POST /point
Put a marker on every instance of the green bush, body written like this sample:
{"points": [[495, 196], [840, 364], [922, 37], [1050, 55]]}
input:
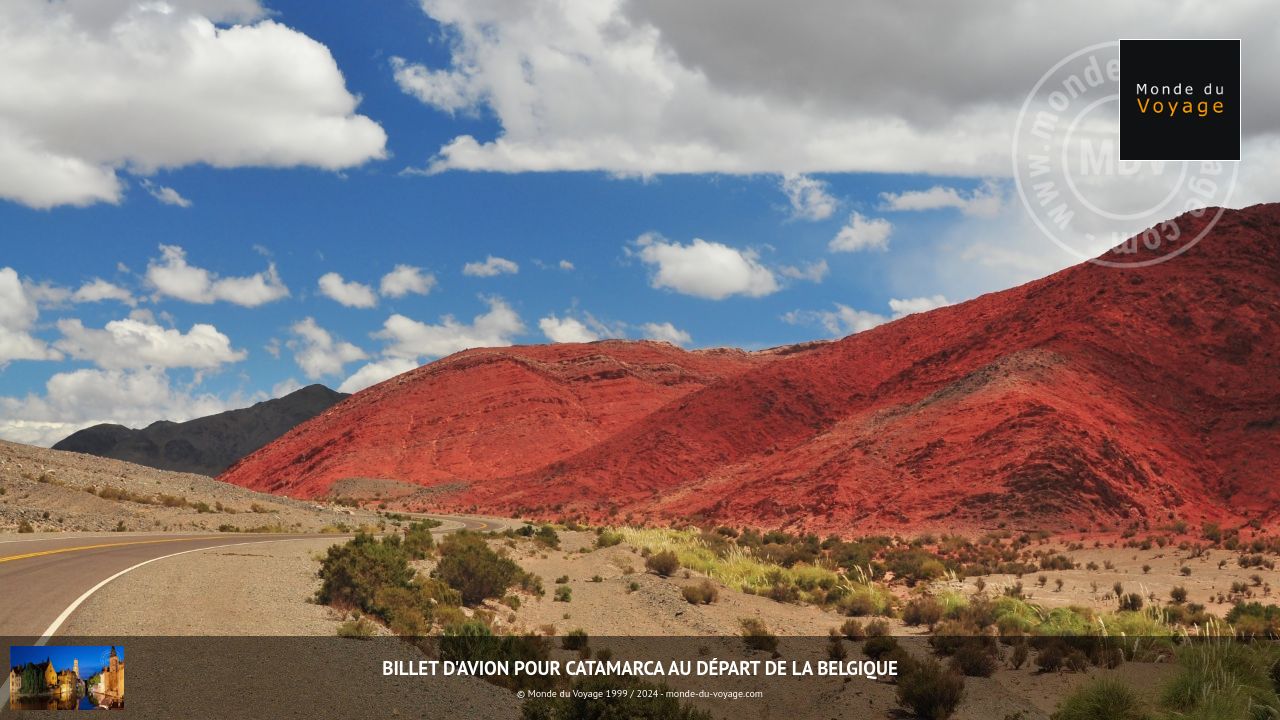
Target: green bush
{"points": [[930, 690], [877, 646], [575, 641], [975, 658], [418, 542], [704, 593], [358, 629], [353, 573], [564, 593], [853, 630], [924, 610], [608, 538], [756, 635], [546, 535], [1102, 699], [664, 563], [469, 566]]}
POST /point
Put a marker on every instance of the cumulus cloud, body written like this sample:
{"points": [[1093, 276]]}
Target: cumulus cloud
{"points": [[566, 330], [318, 353], [98, 290], [408, 341], [18, 314], [984, 201], [704, 269], [665, 332], [844, 320], [664, 86], [862, 233], [129, 343], [172, 276], [490, 267], [375, 372], [406, 279], [166, 195], [80, 398], [566, 265], [349, 294], [93, 88], [813, 272], [809, 197]]}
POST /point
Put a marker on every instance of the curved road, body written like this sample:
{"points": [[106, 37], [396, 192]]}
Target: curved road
{"points": [[44, 579]]}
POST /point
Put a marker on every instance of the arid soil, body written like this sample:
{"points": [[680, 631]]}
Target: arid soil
{"points": [[48, 490]]}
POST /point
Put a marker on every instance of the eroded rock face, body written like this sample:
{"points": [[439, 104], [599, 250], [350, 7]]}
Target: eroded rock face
{"points": [[208, 445], [1096, 396]]}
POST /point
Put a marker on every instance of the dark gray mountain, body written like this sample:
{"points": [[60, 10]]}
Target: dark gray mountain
{"points": [[206, 445]]}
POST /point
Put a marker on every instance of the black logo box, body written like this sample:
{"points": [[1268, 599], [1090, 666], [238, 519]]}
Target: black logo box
{"points": [[1182, 66]]}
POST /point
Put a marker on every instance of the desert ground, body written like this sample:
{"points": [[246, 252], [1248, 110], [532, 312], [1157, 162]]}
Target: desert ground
{"points": [[49, 491], [268, 589]]}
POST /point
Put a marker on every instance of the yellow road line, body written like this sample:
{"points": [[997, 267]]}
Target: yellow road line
{"points": [[56, 551]]}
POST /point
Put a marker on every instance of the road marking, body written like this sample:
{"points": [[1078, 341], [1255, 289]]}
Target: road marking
{"points": [[57, 623], [55, 551], [69, 537]]}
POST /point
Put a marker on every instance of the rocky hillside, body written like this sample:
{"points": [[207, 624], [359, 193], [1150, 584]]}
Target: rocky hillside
{"points": [[207, 445], [1094, 398], [50, 490]]}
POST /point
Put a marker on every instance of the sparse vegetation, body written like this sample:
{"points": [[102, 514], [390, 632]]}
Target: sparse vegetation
{"points": [[929, 689], [664, 563], [1102, 699], [756, 635], [703, 593]]}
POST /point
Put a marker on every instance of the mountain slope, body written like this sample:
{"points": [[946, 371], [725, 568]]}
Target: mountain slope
{"points": [[486, 413], [1094, 397], [207, 445]]}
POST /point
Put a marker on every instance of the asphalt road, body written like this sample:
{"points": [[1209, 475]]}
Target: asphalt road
{"points": [[43, 579]]}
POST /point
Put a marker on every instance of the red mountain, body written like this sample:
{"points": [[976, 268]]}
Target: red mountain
{"points": [[1095, 397]]}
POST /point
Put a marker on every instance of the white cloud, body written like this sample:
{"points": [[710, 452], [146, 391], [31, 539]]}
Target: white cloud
{"points": [[285, 387], [409, 341], [375, 372], [125, 344], [985, 201], [813, 272], [663, 86], [349, 294], [18, 314], [97, 290], [75, 400], [93, 88], [666, 332], [566, 330], [408, 338], [172, 276], [705, 269], [862, 233], [809, 197], [405, 279], [490, 267], [166, 195], [911, 306], [445, 90], [566, 265], [318, 353], [844, 320]]}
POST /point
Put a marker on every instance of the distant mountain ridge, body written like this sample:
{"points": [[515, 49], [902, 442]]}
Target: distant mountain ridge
{"points": [[207, 445]]}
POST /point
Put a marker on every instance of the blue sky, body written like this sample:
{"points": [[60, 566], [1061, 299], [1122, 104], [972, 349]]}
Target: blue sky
{"points": [[624, 178]]}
